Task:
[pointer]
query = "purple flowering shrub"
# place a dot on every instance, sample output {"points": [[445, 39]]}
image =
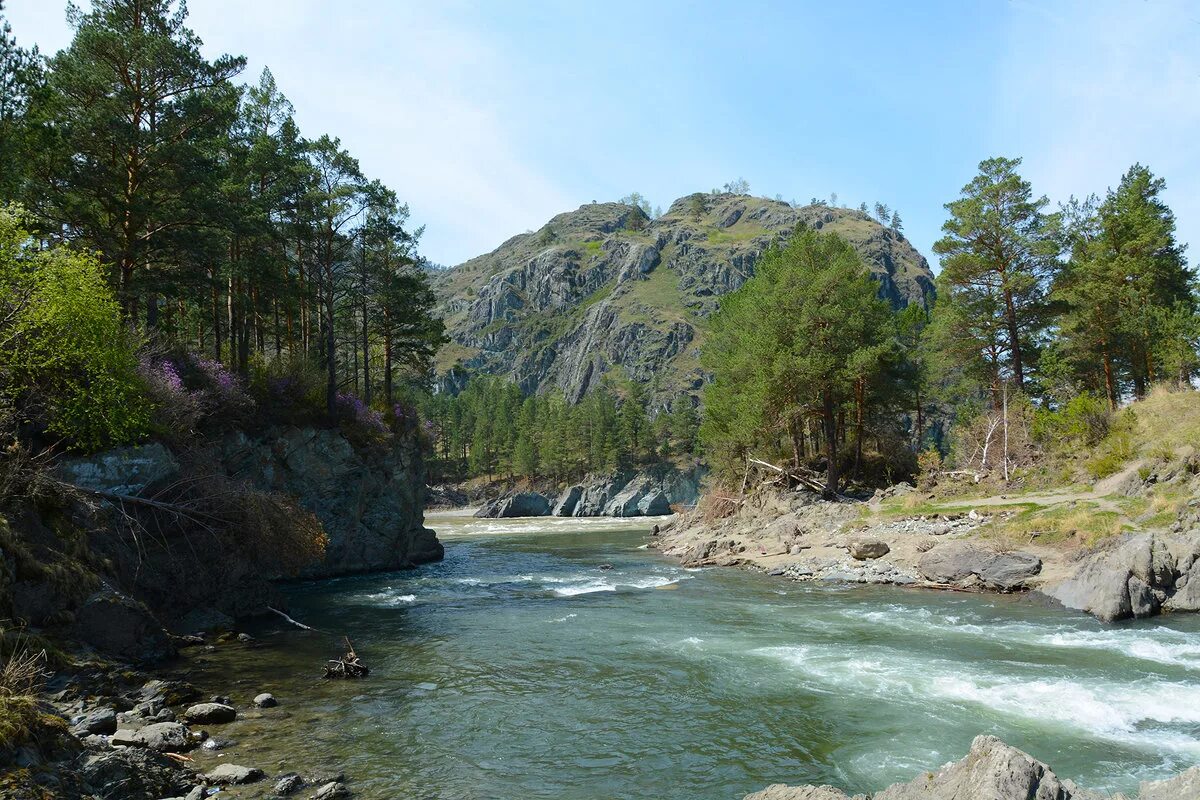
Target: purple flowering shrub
{"points": [[291, 391], [176, 409], [360, 418]]}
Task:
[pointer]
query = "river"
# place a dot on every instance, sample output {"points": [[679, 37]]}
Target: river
{"points": [[518, 668]]}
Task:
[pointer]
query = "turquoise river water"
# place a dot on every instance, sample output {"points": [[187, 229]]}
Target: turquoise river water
{"points": [[517, 668]]}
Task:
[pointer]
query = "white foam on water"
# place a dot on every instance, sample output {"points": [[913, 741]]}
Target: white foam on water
{"points": [[1161, 645], [564, 619], [1145, 713], [611, 585]]}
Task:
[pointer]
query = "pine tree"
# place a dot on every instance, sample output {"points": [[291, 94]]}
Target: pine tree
{"points": [[998, 252]]}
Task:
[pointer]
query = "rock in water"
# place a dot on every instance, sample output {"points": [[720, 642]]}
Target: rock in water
{"points": [[227, 774], [864, 551], [990, 771], [331, 791], [265, 700], [525, 504], [289, 784], [210, 713], [1184, 786]]}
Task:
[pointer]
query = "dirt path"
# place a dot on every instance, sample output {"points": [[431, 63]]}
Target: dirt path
{"points": [[1100, 495]]}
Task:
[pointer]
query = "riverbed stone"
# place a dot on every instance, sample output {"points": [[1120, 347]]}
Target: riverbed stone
{"points": [[289, 784], [265, 700], [163, 737], [868, 549], [334, 790], [210, 713], [234, 774], [98, 720], [133, 773]]}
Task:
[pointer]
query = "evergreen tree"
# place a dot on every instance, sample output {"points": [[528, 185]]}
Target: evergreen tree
{"points": [[997, 255], [796, 341]]}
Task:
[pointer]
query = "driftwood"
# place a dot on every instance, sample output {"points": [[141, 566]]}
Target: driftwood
{"points": [[294, 622], [348, 666], [803, 477]]}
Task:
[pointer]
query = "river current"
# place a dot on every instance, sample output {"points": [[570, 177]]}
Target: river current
{"points": [[520, 668]]}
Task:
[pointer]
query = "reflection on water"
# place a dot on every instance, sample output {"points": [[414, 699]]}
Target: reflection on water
{"points": [[519, 668]]}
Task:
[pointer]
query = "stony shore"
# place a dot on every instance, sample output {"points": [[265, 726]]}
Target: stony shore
{"points": [[797, 535]]}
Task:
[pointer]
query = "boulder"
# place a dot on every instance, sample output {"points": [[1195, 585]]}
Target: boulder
{"points": [[210, 713], [136, 774], [565, 506], [289, 784], [525, 504], [626, 502], [1130, 578], [334, 790], [163, 737], [1182, 786], [234, 774], [98, 720], [966, 563], [869, 549], [991, 770], [265, 700]]}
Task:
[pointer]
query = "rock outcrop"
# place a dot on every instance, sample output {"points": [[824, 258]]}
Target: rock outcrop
{"points": [[370, 500], [524, 504], [990, 771], [604, 287], [1137, 575]]}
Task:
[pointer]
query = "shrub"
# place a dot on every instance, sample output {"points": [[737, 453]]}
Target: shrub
{"points": [[66, 360], [1117, 449], [1083, 420], [22, 673]]}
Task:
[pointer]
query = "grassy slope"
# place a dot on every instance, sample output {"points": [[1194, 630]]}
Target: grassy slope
{"points": [[1087, 505]]}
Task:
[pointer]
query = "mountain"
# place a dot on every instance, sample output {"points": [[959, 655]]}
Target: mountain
{"points": [[606, 291]]}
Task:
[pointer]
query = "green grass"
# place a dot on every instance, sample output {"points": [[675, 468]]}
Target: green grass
{"points": [[1078, 523], [737, 234]]}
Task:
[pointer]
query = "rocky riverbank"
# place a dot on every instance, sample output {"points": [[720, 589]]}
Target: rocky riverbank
{"points": [[798, 535], [650, 492], [992, 771]]}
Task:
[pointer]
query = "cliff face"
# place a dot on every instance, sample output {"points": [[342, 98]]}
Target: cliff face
{"points": [[370, 501], [605, 288], [152, 539]]}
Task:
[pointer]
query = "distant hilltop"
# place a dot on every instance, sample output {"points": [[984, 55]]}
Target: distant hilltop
{"points": [[606, 288]]}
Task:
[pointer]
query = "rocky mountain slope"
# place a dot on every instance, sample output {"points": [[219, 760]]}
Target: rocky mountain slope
{"points": [[604, 290]]}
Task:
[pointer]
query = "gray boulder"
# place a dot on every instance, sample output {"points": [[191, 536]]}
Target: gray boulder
{"points": [[626, 502], [265, 700], [289, 784], [1134, 576], [98, 720], [334, 790], [565, 506], [137, 774], [870, 549], [1185, 786], [163, 737], [119, 625], [234, 774], [991, 770], [654, 504], [963, 563], [210, 713]]}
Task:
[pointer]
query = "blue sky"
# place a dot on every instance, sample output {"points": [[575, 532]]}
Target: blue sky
{"points": [[488, 118]]}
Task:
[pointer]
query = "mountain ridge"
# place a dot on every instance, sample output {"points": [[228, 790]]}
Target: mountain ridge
{"points": [[606, 292]]}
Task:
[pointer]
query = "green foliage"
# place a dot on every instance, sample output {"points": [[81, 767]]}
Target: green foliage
{"points": [[1117, 449], [798, 342], [1083, 421], [492, 429], [65, 357]]}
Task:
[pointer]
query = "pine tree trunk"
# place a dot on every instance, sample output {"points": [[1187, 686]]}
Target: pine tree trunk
{"points": [[830, 420], [1014, 339]]}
